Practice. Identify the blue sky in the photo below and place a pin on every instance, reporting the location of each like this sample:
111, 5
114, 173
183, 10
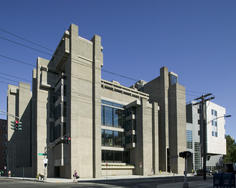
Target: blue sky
194, 38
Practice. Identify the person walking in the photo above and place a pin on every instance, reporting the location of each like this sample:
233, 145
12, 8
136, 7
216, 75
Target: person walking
75, 176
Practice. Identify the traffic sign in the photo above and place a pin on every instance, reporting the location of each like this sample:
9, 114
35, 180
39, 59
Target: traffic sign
42, 154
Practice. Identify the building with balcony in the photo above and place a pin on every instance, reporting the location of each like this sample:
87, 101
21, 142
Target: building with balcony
112, 129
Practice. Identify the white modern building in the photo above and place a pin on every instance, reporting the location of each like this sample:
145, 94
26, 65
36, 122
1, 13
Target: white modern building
216, 142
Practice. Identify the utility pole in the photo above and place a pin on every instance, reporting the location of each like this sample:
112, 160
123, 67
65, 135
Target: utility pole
203, 127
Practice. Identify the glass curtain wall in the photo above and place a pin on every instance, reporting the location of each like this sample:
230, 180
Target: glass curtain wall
112, 115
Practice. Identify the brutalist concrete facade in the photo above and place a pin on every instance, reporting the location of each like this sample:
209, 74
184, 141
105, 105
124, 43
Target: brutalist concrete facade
3, 145
19, 153
170, 95
112, 129
71, 82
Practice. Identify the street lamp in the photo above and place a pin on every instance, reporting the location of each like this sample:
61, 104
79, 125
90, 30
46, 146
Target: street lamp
224, 116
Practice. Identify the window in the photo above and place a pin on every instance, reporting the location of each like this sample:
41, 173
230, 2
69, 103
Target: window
213, 112
115, 156
117, 117
189, 138
112, 138
173, 79
108, 116
214, 122
112, 104
118, 138
103, 137
111, 115
213, 133
216, 134
108, 138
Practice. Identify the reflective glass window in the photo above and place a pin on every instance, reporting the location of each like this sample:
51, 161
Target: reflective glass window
102, 115
189, 138
118, 137
108, 115
103, 137
111, 116
173, 79
115, 156
108, 138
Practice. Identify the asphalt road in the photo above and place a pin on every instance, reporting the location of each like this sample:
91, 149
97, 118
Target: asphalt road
149, 183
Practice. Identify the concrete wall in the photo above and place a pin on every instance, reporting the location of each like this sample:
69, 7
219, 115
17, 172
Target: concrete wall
41, 117
158, 91
19, 142
177, 127
3, 143
85, 117
12, 106
172, 119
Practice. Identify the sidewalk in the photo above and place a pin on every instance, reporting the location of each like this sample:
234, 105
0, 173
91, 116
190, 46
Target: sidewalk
102, 179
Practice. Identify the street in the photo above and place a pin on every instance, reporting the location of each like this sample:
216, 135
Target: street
148, 183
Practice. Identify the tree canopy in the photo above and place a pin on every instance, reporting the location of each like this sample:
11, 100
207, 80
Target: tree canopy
230, 156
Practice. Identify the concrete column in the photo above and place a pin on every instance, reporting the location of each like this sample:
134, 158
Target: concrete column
155, 137
177, 127
97, 63
147, 139
164, 118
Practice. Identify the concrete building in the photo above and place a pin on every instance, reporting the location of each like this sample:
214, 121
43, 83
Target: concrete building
170, 95
3, 144
111, 129
19, 154
216, 142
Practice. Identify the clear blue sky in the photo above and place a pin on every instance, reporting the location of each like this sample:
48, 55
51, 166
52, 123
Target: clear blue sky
194, 38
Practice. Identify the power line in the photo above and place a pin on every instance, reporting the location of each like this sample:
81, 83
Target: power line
104, 70
16, 60
14, 76
9, 79
72, 75
127, 77
24, 39
26, 46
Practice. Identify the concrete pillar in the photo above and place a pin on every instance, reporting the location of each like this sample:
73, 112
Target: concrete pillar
97, 63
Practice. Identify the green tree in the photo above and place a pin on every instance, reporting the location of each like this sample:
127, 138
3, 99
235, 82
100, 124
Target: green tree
230, 156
